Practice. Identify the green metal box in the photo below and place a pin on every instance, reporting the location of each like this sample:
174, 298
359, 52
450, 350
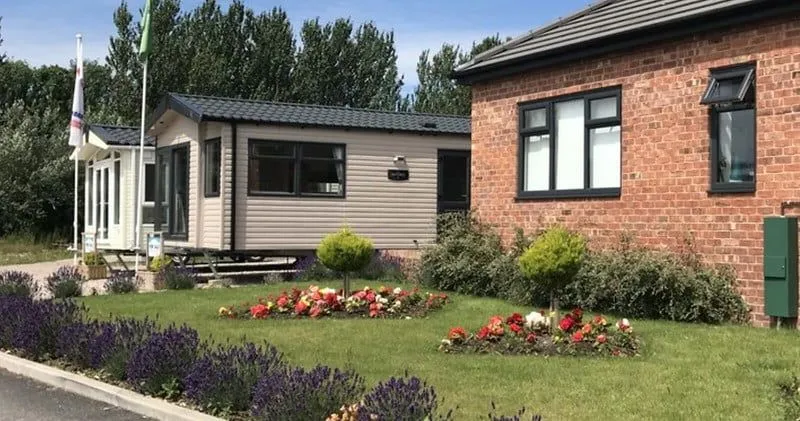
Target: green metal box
780, 266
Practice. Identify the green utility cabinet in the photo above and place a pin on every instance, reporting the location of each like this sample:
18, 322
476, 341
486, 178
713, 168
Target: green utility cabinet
780, 266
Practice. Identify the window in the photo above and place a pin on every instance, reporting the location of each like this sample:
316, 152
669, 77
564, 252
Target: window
213, 151
730, 96
117, 183
149, 204
172, 206
571, 146
296, 169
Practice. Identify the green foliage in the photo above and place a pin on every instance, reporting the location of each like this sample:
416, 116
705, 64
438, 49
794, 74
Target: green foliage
66, 282
160, 262
789, 394
468, 258
93, 259
121, 282
174, 277
19, 284
552, 260
643, 283
345, 251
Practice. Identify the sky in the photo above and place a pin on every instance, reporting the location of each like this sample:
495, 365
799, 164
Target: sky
43, 31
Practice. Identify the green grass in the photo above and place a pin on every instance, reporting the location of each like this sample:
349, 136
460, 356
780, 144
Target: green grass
21, 250
687, 372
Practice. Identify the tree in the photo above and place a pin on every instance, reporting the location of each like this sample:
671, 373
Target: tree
272, 57
2, 55
123, 62
437, 92
345, 252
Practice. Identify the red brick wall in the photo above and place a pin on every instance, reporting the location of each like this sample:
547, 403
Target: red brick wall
665, 144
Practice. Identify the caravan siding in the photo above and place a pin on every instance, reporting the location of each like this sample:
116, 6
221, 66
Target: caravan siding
394, 214
183, 130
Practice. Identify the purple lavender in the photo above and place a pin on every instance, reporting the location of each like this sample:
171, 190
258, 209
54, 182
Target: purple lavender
117, 342
300, 395
121, 282
401, 399
158, 366
32, 327
175, 277
17, 283
518, 417
65, 282
222, 380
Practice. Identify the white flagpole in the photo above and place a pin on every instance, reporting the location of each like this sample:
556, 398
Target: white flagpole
77, 149
140, 179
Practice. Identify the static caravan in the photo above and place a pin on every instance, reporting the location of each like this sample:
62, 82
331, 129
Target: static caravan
111, 165
252, 178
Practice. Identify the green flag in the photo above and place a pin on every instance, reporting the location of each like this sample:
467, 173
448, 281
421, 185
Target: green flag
144, 46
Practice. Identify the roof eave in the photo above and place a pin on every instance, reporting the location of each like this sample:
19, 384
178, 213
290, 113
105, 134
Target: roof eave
470, 75
331, 127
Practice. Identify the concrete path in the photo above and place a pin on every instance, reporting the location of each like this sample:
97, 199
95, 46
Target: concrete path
22, 399
41, 270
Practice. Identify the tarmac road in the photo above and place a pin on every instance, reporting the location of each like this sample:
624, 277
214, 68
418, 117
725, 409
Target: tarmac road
22, 399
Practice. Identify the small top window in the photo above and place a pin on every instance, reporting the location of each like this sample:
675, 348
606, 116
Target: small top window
729, 86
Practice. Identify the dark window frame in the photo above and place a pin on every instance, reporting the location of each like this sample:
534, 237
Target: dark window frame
550, 130
214, 190
745, 99
298, 159
170, 152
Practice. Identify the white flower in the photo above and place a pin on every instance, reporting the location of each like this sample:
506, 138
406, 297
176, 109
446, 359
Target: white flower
382, 300
535, 319
446, 342
408, 317
326, 291
397, 291
623, 324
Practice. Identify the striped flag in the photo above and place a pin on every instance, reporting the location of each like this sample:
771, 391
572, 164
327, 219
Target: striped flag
76, 123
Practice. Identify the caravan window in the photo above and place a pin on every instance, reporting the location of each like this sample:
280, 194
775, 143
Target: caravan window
173, 191
296, 169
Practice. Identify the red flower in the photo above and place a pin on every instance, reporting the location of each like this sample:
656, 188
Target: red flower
601, 338
577, 336
374, 309
457, 333
515, 318
599, 320
283, 301
495, 320
531, 338
577, 313
566, 323
315, 312
360, 295
316, 296
515, 328
483, 333
300, 307
259, 311
370, 297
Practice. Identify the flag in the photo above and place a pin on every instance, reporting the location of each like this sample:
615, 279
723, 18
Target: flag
144, 45
76, 122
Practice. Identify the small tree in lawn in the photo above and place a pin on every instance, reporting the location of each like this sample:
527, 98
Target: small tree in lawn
345, 251
552, 262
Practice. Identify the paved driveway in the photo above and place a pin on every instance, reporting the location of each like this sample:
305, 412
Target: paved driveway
23, 399
41, 270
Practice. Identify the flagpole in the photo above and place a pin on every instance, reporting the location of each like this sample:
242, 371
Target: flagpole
77, 149
140, 179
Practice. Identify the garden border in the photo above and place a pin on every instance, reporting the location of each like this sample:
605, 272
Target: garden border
100, 391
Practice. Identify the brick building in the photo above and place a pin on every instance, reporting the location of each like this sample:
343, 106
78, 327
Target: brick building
659, 118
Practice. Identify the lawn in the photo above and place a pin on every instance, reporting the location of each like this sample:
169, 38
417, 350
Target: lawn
687, 371
19, 251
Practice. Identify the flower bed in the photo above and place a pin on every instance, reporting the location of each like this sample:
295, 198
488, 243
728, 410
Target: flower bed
532, 335
316, 302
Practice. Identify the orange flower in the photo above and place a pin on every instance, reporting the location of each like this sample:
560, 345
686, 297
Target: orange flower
315, 312
457, 333
587, 329
483, 333
259, 311
283, 301
577, 336
601, 338
300, 307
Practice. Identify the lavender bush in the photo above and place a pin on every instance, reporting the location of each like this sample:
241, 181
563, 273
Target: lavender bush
75, 341
382, 267
401, 399
66, 282
17, 283
520, 416
121, 282
174, 277
116, 343
300, 395
222, 380
159, 365
32, 327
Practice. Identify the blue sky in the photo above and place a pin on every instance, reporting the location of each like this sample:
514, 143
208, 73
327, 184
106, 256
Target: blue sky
43, 31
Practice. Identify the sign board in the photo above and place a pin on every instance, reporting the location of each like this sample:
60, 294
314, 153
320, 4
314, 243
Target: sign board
398, 175
155, 244
89, 242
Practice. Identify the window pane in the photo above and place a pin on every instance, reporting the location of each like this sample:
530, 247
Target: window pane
180, 202
323, 177
164, 191
736, 146
117, 182
323, 151
536, 118
603, 108
149, 215
569, 145
212, 174
605, 151
274, 175
454, 182
537, 163
149, 183
273, 149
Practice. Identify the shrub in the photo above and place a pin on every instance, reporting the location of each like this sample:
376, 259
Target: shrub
383, 267
468, 258
222, 380
76, 341
401, 399
66, 282
551, 262
122, 282
93, 259
345, 251
32, 327
158, 366
160, 262
300, 395
117, 342
174, 277
657, 285
20, 284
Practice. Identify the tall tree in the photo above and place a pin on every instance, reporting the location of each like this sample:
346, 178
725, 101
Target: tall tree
272, 56
375, 80
123, 63
437, 92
